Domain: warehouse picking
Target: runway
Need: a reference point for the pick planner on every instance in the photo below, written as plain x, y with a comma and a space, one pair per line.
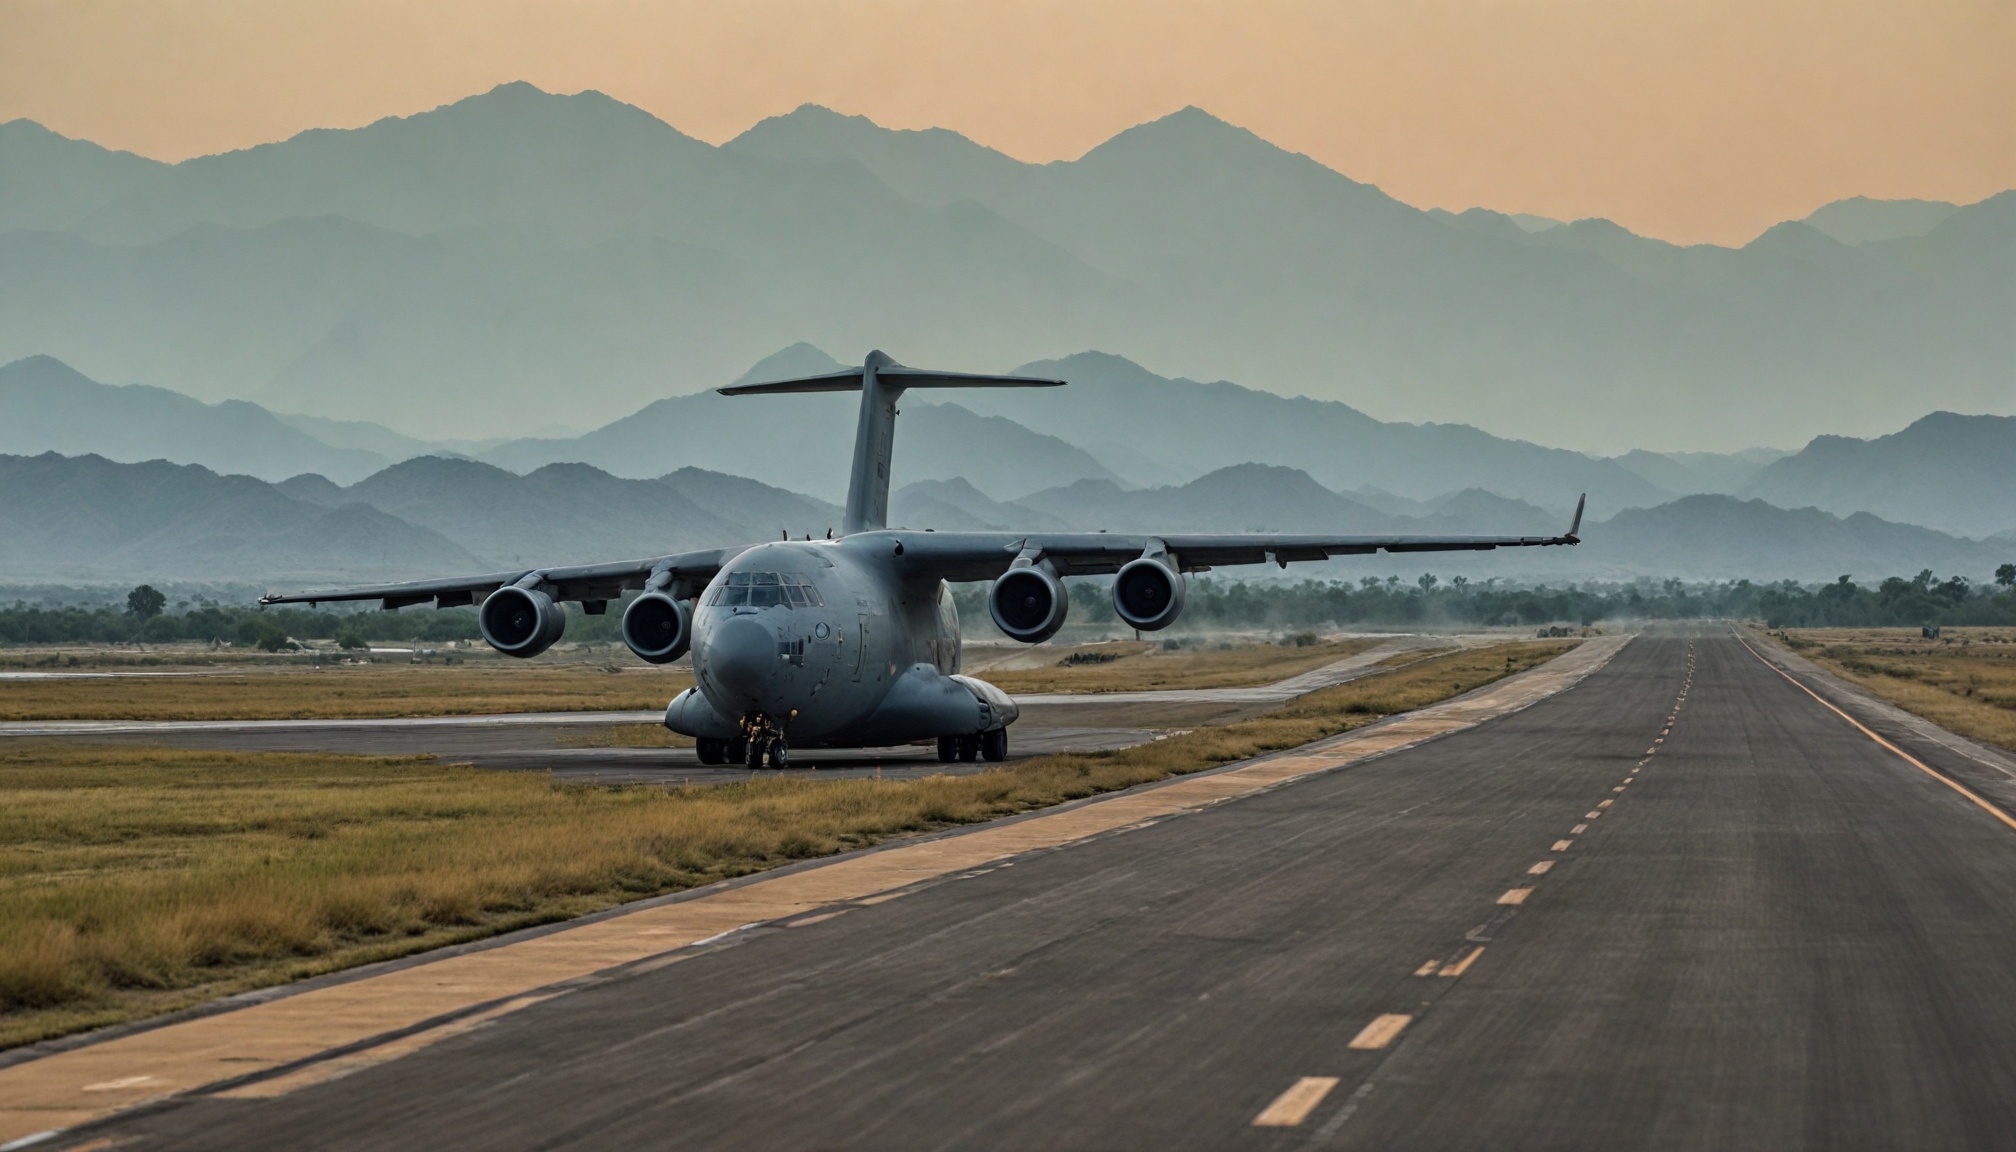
1681, 905
578, 745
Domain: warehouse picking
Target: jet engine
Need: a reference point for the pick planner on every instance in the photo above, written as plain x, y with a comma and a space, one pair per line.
657, 628
1148, 594
521, 621
1029, 603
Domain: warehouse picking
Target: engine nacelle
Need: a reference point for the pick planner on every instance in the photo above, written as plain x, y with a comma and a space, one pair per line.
1148, 594
521, 621
657, 628
1028, 604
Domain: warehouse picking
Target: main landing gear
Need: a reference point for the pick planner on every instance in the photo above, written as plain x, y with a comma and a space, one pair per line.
993, 746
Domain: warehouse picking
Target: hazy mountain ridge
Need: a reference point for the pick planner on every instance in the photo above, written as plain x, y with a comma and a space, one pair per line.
1704, 537
1942, 470
1692, 473
574, 513
1722, 537
93, 520
806, 442
1122, 412
87, 519
47, 406
1860, 220
518, 246
1946, 471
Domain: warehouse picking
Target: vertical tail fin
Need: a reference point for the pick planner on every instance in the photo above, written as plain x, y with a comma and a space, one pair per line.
881, 382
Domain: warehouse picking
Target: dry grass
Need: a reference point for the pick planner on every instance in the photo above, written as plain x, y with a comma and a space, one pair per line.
1964, 682
1154, 668
337, 692
136, 880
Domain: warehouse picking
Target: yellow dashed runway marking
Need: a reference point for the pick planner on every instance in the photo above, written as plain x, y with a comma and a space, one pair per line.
1380, 1032
1293, 1106
1463, 965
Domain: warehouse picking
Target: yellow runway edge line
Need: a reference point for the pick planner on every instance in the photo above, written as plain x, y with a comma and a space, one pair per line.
1985, 805
317, 1035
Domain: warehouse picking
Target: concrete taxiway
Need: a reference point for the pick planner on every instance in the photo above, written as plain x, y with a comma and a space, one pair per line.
573, 745
1684, 903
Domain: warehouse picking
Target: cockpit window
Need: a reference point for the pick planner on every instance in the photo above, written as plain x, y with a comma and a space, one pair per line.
765, 590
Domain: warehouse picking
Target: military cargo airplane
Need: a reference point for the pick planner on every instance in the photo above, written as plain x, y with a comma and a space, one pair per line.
852, 641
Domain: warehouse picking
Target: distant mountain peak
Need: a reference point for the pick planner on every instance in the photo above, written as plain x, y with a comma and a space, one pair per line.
1188, 125
1191, 114
516, 88
41, 367
1861, 219
511, 112
1798, 238
810, 113
516, 96
432, 469
790, 362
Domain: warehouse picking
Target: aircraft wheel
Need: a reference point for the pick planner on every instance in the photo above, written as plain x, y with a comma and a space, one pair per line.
969, 748
780, 756
735, 751
994, 745
755, 754
948, 749
710, 750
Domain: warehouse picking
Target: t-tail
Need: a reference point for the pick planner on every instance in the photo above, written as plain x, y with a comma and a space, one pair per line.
881, 382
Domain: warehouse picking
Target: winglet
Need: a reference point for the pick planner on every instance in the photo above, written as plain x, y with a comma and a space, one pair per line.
1575, 529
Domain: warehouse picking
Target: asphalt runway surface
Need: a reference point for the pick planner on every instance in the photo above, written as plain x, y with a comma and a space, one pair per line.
1773, 934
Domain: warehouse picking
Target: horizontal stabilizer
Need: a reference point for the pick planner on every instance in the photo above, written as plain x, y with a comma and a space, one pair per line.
848, 380
881, 382
925, 378
893, 376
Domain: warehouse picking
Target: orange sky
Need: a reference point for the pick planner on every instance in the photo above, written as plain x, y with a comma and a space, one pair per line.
1686, 119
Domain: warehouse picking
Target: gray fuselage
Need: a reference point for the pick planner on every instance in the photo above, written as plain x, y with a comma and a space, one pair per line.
829, 642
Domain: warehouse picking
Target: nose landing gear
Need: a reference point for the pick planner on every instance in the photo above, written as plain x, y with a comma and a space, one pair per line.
761, 741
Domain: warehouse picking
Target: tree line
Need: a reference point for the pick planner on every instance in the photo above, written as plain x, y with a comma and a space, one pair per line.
145, 617
1428, 600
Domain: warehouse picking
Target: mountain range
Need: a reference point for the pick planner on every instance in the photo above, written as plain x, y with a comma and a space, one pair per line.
519, 259
1942, 471
85, 519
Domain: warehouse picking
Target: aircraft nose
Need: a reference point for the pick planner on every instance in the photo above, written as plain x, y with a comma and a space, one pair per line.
740, 658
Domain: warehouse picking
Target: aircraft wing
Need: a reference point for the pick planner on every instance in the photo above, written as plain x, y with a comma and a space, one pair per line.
685, 573
985, 555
